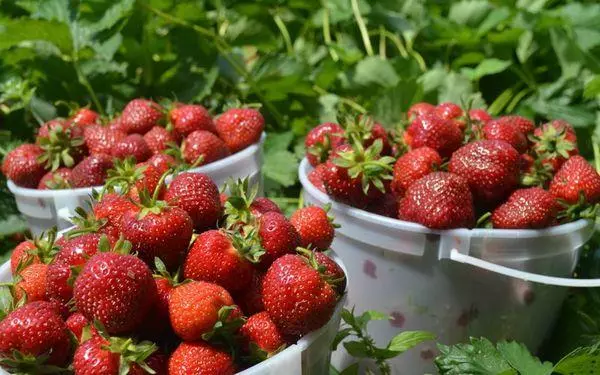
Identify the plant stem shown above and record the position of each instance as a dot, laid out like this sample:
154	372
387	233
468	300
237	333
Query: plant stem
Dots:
327	33
397	42
348	102
364	32
382	42
88	86
596	148
284	33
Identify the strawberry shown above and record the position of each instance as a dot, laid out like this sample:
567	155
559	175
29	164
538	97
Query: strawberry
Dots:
31	283
54	180
576	178
91	171
419	109
132	178
200	358
386	206
440	200
331	271
140	115
366	131
64	145
24	252
116	124
157	362
162	162
189	118
525	125
196	307
532	208
321	140
76	322
435	132
491	168
111	208
448	111
277	237
296	296
133	145
45	129
480	115
262	205
315	227
84	117
261	338
250	299
316	177
37	332
157	139
243	206
555	142
412	166
505	131
101	139
198	195
240	128
41	249
205	144
22	167
116	289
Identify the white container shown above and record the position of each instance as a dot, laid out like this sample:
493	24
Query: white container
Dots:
44	209
311	355
455	283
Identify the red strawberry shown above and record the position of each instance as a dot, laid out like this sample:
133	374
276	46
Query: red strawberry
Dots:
157	361
111	208
157	325
35	329
448	111
117	124
505	131
196	307
24	252
133	145
116	289
262	205
64	145
296	296
433	131
162	162
419	109
332	272
31	282
58	179
315	227
277	237
188	118
140	115
240	128
149	180
525	125
84	117
101	139
490	166
555	142
316	177
321	140
531	208
412	166
157	139
260	337
198	195
250	299
22	167
76	322
132	178
91	171
222	259
200	358
41	249
203	144
574	178
479	115
440	200
366	131
45	129
387	206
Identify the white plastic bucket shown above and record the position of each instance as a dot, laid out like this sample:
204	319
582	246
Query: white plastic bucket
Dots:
44	209
311	355
455	283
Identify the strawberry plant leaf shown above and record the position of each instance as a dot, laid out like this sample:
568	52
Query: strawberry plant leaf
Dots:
478	357
520	359
409	339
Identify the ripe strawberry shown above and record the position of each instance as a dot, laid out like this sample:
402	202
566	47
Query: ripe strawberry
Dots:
31	283
196	307
260	337
332	272
157	139
412	166
22	167
198	195
41	249
576	177
101	139
479	115
26	251
115	289
84	117
200	358
240	128
111	208
387	206
188	118
132	178
116	124
262	205
45	129
76	322
54	180
250	299
419	109
555	142
505	131
277	237
366	131
316	177
491	168
157	362
433	131
440	200
34	330
525	125
448	111
321	140
140	115
162	162
133	145
315	227
91	171
531	208
296	296
64	145
203	144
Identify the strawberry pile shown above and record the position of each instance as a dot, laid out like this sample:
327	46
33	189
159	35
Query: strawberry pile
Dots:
177	279
82	150
452	168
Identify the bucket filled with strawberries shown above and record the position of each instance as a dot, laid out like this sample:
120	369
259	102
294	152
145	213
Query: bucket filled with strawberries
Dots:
180	279
58	173
456	222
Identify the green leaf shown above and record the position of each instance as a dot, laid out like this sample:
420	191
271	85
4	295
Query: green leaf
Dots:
569	56
351	370
580	361
592	88
469	12
112	15
340	336
488	67
526	47
282	167
357	349
390	107
278	141
15	32
479	357
518	356
408	340
375	70
493	19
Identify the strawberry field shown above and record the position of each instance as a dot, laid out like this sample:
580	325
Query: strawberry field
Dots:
285	67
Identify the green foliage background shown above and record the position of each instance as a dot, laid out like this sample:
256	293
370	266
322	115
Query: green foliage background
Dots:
302	59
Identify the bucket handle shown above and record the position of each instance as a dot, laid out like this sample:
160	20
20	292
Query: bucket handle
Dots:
457	256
